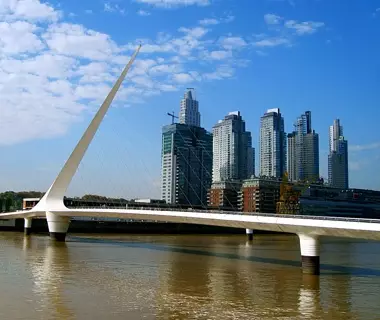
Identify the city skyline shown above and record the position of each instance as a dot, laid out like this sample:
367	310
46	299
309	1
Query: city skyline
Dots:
59	59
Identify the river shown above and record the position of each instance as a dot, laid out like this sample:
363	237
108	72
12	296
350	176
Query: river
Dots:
184	277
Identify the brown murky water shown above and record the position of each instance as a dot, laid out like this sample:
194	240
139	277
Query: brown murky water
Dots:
184	277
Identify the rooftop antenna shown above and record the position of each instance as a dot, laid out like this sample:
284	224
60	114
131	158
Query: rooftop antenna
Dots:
172	115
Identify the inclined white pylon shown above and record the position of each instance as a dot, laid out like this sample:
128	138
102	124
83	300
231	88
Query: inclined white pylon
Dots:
53	198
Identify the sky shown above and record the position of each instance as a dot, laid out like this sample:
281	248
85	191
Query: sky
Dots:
59	59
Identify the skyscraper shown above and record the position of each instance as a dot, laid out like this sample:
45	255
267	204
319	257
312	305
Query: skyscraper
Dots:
338	157
186	160
336	131
233	155
272	144
311	157
189	113
186	164
292	157
303	151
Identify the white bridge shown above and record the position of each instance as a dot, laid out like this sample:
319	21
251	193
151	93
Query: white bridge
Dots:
308	228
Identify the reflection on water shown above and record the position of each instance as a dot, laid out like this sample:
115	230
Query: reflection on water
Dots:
184	277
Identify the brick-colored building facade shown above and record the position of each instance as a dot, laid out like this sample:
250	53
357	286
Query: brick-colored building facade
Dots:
224	195
259	195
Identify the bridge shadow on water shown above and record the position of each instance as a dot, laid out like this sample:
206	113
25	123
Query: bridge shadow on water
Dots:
326	269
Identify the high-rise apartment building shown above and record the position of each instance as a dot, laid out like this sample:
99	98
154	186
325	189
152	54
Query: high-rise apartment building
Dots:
338	157
189	111
233	160
336	131
186	164
233	155
292	157
272	144
311	157
303	151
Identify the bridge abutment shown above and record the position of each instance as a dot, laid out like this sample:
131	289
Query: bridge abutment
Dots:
249	233
58	226
27	226
309	245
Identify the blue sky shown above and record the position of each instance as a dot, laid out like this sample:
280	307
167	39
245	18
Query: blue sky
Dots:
59	59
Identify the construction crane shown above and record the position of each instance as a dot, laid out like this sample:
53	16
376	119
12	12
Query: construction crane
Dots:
173	116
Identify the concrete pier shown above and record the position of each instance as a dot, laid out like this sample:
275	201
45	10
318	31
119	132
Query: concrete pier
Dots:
309	245
58	226
249	233
27	226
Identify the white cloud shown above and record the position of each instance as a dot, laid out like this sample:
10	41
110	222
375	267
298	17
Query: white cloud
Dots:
207	22
165	69
220	54
182	78
272	42
229	19
280	35
143	81
31	10
197	32
272	19
364	147
232	43
75	40
222	72
52	71
18	37
47	65
143	13
213	21
109	7
174	3
302	28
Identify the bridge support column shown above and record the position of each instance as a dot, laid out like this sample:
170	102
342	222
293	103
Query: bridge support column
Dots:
309	245
27	226
58	226
249	233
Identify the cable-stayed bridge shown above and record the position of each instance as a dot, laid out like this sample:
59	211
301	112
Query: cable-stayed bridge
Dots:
308	228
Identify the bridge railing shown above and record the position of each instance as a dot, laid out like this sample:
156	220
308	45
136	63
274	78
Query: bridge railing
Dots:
275	215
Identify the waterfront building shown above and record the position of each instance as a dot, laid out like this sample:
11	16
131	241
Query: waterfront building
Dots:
303	151
233	155
259	194
225	194
233	160
272	144
292	157
338	157
186	158
186	164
